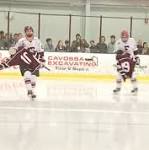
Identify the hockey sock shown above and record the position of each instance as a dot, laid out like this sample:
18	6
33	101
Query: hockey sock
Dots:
118	84
134	83
33	82
27	80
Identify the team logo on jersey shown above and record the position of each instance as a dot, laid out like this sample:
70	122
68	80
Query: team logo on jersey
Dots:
31	49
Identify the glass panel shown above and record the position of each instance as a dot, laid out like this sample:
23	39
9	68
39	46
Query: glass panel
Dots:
77	26
54	27
92	28
3	22
140	30
21	20
114	26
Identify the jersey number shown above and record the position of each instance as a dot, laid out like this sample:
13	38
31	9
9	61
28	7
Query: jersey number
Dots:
25	58
126	66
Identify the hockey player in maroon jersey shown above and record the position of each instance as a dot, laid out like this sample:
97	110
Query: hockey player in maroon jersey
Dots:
126	50
29	55
34	46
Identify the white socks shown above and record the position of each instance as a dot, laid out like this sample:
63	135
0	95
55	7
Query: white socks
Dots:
30	81
27	80
33	82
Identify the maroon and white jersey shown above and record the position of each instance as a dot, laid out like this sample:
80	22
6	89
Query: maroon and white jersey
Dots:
34	45
24	57
129	47
28	55
125	65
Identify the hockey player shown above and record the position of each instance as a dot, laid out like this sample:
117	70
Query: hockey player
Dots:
126	51
32	58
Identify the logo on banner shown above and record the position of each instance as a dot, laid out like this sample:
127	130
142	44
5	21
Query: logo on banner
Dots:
75	63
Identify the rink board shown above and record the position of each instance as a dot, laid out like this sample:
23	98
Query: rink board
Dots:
61	76
79	66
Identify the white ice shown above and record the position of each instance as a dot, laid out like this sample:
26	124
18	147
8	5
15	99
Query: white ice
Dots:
73	115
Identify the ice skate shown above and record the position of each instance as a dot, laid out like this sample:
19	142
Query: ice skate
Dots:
31	95
116	90
134	91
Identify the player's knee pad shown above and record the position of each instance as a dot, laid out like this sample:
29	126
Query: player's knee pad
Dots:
27	77
27	74
133	75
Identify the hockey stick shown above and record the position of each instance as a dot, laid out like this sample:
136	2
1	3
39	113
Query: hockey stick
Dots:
46	68
38	67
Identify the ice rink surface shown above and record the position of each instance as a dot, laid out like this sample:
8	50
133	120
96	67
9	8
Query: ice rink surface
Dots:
73	115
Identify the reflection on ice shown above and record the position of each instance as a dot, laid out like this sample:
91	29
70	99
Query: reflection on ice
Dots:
76	115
